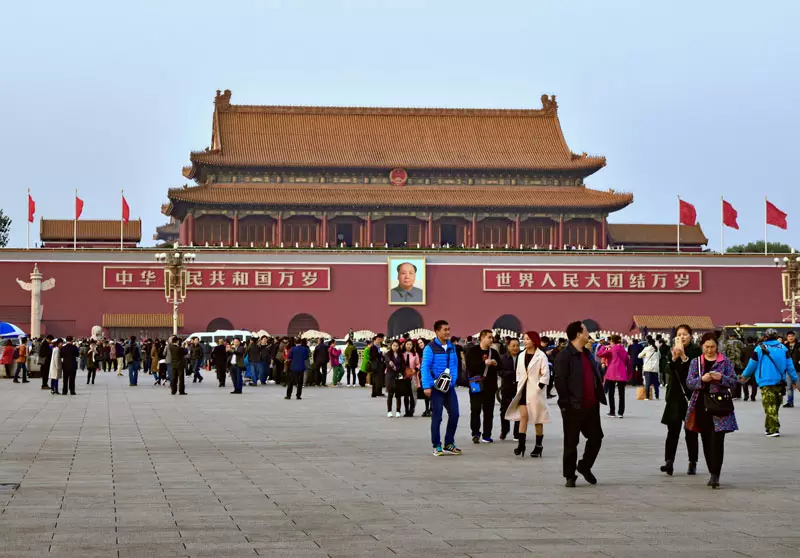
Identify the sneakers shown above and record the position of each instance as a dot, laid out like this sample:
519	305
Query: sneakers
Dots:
486	441
389	414
787	406
437	451
397	414
452	449
476	439
773	435
612	415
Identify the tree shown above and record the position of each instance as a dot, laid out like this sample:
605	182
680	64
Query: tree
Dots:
5	229
757	247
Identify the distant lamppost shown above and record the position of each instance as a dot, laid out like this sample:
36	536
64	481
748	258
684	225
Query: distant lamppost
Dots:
790	281
175	279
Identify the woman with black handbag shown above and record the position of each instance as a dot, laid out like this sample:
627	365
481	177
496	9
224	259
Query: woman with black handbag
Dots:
711	376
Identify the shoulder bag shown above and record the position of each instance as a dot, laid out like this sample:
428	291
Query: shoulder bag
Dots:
717	404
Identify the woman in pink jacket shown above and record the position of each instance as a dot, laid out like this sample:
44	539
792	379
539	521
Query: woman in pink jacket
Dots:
618	373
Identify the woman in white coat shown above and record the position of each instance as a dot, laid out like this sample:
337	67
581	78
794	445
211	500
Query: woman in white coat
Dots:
529	406
651	359
56	370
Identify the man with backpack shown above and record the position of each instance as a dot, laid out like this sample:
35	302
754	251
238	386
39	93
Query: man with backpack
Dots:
133	359
770	364
439	362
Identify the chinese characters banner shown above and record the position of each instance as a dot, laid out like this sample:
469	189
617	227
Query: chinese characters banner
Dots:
215	278
594	280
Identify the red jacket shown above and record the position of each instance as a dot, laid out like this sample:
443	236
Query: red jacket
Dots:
8	355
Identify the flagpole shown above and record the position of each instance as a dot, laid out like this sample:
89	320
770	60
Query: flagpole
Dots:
722	225
28	232
765	226
679	223
121	221
75	225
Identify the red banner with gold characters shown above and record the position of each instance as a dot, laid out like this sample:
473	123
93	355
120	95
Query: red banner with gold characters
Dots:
593	280
262	278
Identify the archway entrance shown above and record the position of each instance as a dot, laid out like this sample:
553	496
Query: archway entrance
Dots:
219	323
300	323
403	320
508	321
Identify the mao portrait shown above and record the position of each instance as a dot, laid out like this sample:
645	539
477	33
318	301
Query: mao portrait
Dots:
406	281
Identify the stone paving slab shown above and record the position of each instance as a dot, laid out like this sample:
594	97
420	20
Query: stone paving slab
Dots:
136	472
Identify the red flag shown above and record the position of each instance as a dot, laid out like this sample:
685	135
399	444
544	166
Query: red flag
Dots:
31	209
126	211
78	207
688	214
729	215
776	217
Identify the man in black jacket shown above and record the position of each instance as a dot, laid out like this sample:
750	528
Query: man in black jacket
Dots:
481	363
45	357
176	358
580	393
508	386
219	356
319	368
377	365
196	359
69	364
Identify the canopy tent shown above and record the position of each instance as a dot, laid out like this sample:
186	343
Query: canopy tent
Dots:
10	331
314	334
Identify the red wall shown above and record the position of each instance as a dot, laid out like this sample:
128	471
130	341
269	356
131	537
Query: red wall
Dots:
358	300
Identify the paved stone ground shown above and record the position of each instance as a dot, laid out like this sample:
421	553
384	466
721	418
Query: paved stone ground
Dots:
120	471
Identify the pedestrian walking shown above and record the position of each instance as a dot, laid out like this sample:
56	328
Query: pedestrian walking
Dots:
794	354
196	359
336	358
236	361
91	363
439	363
771	365
481	367
395	367
580	394
508	387
176	358
133	361
411	372
651	359
21	361
677	401
351	360
711	378
377	365
298	360
529	405
56	370
618	372
45	360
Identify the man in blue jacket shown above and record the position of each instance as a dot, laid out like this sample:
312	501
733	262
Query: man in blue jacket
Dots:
770	364
440	356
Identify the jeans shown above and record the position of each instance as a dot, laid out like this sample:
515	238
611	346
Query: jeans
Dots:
147	363
236	378
133	373
612	384
250	373
577	422
789	391
651	379
196	369
481	402
24	368
295	379
54	386
674	436
449	401
771	400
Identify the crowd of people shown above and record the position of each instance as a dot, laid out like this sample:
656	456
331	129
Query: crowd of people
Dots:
701	380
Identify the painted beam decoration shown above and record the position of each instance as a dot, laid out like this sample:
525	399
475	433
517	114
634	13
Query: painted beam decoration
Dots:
593	280
222	278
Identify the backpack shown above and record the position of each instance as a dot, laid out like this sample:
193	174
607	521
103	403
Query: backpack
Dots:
15	356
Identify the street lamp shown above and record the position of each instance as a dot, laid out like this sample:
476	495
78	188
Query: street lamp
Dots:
790	282
175	279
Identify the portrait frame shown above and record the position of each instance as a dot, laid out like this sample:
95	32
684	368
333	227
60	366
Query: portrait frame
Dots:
414	298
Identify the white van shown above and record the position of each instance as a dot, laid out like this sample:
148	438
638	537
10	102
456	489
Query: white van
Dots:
211	337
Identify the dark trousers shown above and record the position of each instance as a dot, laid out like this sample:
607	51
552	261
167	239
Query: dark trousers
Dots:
674	436
377	384
90	374
620	386
236	378
713	450
177	380
221	373
21	367
351	370
393	395
481	402
196	369
69	382
295	379
651	380
577	422
505	425
749	390
45	372
319	374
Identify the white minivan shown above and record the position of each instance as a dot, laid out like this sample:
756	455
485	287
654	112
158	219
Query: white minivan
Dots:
211	337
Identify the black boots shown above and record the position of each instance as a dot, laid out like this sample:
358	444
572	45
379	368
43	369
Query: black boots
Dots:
537	450
667	468
520	449
713	481
692	470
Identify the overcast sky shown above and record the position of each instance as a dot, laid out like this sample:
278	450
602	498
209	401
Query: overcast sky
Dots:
700	99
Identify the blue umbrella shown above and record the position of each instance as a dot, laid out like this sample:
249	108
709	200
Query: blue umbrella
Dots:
10	331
